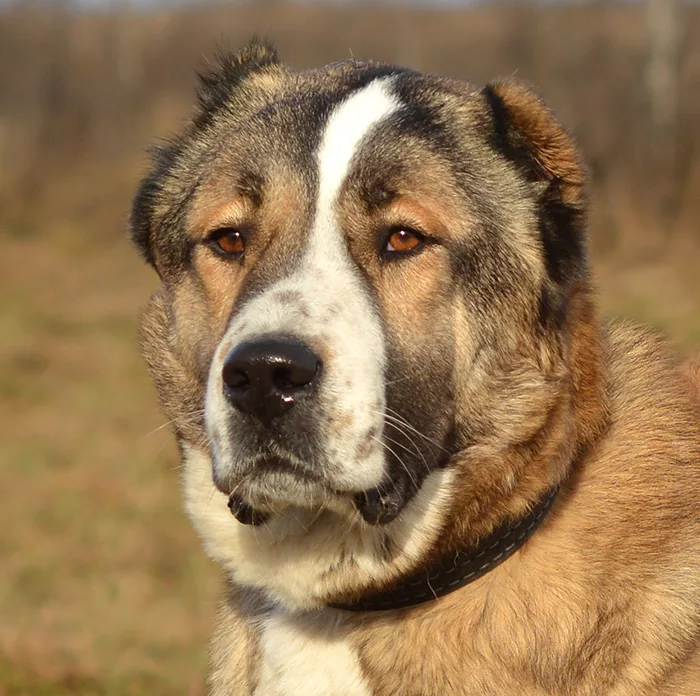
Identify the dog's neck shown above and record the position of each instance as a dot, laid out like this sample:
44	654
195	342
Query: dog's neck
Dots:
457	568
502	476
492	524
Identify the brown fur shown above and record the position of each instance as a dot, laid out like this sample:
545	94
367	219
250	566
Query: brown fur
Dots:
622	621
691	371
596	622
605	597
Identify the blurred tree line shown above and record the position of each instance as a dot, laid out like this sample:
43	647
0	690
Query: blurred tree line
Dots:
83	90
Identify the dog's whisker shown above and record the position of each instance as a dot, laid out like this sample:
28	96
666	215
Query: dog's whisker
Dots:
415	449
185	418
403	421
396	381
399	426
321	509
400	461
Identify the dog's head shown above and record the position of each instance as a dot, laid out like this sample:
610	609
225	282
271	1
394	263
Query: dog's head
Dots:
368	275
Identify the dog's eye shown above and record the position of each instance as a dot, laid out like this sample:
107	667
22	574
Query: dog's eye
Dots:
227	241
403	240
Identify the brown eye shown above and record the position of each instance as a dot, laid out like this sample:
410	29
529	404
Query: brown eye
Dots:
402	240
227	241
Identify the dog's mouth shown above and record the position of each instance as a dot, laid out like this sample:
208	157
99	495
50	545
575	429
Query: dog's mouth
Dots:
270	473
275	480
269	484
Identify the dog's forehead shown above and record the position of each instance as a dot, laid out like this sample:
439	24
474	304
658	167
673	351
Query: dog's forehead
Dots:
322	125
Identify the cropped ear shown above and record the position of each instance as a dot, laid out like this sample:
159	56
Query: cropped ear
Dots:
527	134
217	85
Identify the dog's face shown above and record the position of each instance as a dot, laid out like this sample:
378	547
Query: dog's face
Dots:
366	271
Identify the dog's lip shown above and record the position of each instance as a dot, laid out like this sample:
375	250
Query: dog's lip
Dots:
274	464
266	465
380	505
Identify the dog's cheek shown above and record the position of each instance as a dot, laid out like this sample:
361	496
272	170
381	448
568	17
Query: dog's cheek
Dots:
425	373
180	391
420	394
417	304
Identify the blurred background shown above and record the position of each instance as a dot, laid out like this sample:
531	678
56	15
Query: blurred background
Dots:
103	586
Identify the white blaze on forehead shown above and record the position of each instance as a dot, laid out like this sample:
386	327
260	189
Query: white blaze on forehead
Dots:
333	313
348	124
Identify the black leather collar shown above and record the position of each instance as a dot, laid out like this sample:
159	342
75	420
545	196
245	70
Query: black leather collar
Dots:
457	568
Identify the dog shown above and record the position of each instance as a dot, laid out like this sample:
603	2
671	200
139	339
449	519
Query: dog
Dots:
425	464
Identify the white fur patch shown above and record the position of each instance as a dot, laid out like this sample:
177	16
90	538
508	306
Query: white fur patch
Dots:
332	311
347	126
308	655
303	557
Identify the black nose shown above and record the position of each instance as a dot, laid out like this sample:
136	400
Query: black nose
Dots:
265	378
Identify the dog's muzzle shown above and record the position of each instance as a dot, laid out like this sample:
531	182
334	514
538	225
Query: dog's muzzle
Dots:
264	379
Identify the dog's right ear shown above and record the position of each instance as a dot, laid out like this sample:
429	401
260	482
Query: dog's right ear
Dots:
144	203
217	90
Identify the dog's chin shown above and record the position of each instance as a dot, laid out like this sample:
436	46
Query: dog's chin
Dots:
272	487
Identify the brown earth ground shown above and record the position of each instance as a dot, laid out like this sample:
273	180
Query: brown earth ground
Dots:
104	589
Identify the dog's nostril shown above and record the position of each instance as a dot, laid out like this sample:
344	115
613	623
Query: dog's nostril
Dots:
236	380
283	378
293	377
264	378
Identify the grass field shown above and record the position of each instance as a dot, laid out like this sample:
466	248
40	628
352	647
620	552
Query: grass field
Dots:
103	585
104	589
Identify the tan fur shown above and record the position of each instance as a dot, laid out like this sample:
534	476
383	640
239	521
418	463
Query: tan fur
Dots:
236	649
604	598
594	623
555	620
691	370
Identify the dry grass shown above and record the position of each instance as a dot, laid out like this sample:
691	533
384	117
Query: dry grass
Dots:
104	588
101	574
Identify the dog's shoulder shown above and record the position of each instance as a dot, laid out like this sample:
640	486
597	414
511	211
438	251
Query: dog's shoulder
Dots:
641	487
653	392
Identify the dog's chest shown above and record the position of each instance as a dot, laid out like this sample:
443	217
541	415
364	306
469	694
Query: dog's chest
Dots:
308	656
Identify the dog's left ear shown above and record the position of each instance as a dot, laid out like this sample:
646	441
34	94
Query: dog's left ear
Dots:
525	132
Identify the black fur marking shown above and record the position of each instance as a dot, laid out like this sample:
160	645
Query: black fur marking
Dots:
421	118
561	226
357	80
141	214
551	308
147	196
561	232
509	141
